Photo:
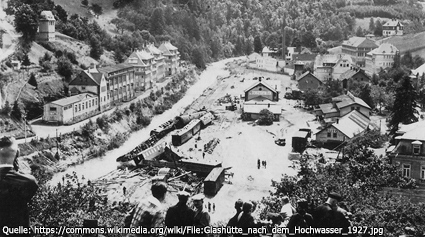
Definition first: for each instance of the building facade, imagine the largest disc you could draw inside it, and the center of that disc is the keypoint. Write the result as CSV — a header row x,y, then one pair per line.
x,y
357,48
308,81
353,75
263,90
172,57
380,58
46,26
331,66
71,109
120,79
159,61
409,151
392,27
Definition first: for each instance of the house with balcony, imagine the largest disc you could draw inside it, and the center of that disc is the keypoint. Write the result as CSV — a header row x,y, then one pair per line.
x,y
357,48
172,57
142,62
159,61
121,81
392,27
409,151
380,58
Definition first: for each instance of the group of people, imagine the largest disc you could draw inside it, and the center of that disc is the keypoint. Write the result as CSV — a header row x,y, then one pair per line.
x,y
330,214
150,213
261,163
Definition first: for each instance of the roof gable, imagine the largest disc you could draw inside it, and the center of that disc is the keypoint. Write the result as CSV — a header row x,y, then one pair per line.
x,y
351,124
308,74
263,84
86,79
360,42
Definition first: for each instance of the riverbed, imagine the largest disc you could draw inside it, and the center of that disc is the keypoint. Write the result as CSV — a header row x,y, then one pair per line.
x,y
97,167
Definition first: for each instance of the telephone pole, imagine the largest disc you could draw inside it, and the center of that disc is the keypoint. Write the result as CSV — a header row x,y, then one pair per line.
x,y
283,37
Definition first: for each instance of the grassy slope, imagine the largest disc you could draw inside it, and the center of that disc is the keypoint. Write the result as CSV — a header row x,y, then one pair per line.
x,y
410,42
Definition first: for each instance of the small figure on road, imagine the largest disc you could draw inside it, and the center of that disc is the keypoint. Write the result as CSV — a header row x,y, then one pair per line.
x,y
124,189
265,164
258,163
213,207
209,207
203,155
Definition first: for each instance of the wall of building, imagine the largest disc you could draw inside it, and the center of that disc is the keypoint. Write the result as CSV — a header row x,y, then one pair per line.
x,y
258,91
121,85
308,82
417,165
46,30
322,136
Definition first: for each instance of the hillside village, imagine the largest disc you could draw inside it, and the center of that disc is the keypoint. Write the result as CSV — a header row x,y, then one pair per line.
x,y
151,108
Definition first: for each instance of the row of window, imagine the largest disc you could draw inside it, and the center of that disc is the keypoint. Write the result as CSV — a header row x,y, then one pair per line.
x,y
85,105
332,134
406,171
387,64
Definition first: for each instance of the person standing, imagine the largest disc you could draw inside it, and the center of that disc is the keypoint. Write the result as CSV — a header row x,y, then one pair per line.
x,y
327,215
201,218
16,189
245,219
300,219
149,212
234,220
258,163
180,214
287,210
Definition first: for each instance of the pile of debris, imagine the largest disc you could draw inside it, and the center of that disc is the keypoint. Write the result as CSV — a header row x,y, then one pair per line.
x,y
225,99
210,146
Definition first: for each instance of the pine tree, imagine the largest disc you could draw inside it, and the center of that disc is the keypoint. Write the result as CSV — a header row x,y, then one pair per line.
x,y
32,81
26,60
378,28
359,32
404,109
85,2
157,22
366,96
371,25
17,111
258,45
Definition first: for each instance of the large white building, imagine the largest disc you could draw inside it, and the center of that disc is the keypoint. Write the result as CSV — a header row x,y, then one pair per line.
x,y
380,58
331,66
172,57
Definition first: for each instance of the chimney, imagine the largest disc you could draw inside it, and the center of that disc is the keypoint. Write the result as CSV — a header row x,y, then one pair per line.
x,y
337,120
259,78
268,105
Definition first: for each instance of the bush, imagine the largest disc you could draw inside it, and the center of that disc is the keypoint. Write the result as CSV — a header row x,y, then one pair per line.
x,y
266,117
88,130
143,120
103,123
116,141
118,115
159,109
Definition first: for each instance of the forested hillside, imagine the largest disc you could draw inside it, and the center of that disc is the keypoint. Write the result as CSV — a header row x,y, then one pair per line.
x,y
206,30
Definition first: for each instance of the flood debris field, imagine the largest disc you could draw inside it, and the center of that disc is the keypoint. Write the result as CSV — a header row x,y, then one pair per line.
x,y
235,143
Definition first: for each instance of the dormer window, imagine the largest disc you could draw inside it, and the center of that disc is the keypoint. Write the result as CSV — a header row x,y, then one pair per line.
x,y
416,147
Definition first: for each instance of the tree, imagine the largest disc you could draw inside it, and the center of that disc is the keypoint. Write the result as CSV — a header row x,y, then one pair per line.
x,y
32,81
397,60
378,28
308,39
312,97
61,13
371,25
359,32
198,58
26,21
85,2
266,117
97,9
405,106
407,60
17,111
417,61
96,48
6,109
157,22
258,45
65,68
365,95
26,61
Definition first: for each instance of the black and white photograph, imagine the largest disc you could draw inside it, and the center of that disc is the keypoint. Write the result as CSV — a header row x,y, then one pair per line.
x,y
214,118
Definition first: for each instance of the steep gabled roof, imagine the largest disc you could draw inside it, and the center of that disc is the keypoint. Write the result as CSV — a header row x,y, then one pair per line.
x,y
47,15
166,47
152,49
87,79
304,57
392,23
351,73
113,68
348,100
262,83
308,73
360,42
352,124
